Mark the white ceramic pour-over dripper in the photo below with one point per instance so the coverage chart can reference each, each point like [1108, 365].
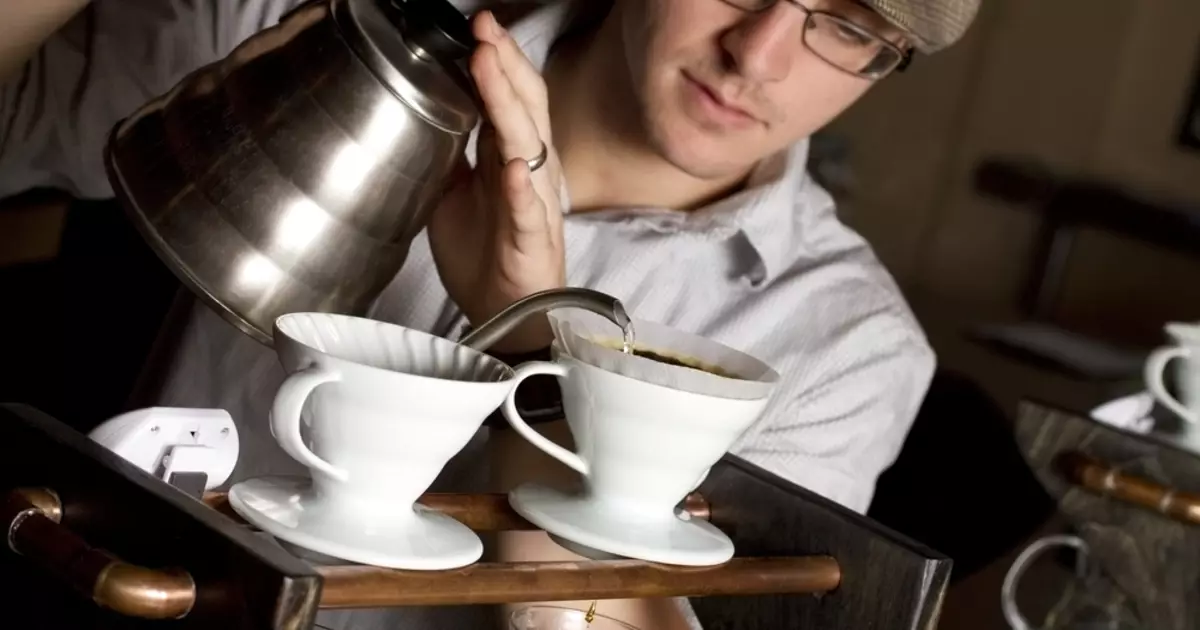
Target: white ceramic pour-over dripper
[620, 425]
[632, 484]
[386, 408]
[1187, 349]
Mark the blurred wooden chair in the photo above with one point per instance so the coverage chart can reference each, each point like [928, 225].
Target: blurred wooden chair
[1067, 206]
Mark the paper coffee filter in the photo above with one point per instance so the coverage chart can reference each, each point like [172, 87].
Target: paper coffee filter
[596, 341]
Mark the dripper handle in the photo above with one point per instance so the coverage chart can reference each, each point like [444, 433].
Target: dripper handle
[285, 417]
[509, 408]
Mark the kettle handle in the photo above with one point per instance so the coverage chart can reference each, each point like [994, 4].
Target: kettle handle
[285, 418]
[437, 27]
[439, 30]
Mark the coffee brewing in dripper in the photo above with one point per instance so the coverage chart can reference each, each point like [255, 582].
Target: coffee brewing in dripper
[663, 356]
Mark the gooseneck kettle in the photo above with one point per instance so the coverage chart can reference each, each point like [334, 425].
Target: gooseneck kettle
[293, 174]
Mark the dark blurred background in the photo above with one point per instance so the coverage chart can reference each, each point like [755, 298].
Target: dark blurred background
[1036, 191]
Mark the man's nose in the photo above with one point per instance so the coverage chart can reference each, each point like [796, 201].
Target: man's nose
[763, 44]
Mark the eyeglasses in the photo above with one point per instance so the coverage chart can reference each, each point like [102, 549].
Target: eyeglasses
[839, 42]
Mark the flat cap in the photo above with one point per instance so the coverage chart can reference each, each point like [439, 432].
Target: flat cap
[931, 24]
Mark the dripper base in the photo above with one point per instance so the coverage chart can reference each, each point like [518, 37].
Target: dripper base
[595, 528]
[283, 507]
[582, 550]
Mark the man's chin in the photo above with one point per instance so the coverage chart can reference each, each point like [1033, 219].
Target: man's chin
[700, 155]
[704, 162]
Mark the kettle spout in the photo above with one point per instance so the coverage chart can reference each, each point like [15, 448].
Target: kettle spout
[503, 323]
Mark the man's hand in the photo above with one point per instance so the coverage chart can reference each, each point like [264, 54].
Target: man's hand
[497, 236]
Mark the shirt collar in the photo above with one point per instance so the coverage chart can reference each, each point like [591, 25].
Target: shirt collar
[781, 209]
[775, 209]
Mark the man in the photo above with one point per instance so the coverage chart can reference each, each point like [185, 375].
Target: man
[676, 135]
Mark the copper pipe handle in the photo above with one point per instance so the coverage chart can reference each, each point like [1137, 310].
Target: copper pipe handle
[35, 532]
[504, 582]
[1102, 478]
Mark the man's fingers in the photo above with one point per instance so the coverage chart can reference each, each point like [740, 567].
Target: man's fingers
[488, 160]
[526, 213]
[491, 171]
[526, 80]
[513, 94]
[554, 224]
[516, 134]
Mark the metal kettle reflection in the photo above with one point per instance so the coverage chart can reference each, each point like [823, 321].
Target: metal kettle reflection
[293, 174]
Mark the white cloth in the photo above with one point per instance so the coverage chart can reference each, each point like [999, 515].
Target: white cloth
[769, 270]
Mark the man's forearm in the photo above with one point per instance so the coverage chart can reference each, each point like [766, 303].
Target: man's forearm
[25, 24]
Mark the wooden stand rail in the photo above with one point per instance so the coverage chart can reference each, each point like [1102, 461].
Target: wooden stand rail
[35, 531]
[105, 510]
[1097, 476]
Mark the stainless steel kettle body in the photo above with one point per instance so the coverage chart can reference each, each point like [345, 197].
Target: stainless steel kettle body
[293, 175]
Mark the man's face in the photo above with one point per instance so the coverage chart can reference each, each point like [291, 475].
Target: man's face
[721, 88]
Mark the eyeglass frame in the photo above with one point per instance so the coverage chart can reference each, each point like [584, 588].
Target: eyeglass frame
[904, 59]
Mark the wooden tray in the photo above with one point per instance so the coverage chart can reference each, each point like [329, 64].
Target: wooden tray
[1135, 500]
[84, 522]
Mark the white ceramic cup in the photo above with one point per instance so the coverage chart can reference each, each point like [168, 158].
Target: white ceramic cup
[641, 447]
[1186, 349]
[1078, 607]
[386, 408]
[1012, 579]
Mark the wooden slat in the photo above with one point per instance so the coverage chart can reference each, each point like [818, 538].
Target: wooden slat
[1124, 538]
[888, 581]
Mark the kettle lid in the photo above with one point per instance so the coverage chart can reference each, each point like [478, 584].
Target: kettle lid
[418, 48]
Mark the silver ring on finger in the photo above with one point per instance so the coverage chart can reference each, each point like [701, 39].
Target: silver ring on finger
[540, 160]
